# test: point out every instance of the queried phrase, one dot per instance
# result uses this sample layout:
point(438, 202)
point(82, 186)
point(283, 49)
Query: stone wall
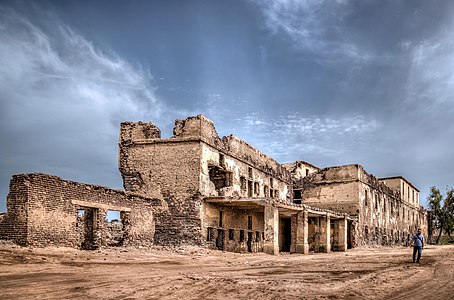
point(46, 210)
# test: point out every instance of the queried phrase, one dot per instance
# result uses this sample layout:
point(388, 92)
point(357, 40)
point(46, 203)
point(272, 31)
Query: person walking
point(418, 245)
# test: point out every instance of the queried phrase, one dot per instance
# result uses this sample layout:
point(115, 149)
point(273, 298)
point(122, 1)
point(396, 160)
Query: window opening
point(231, 234)
point(297, 194)
point(250, 188)
point(220, 177)
point(210, 234)
point(243, 183)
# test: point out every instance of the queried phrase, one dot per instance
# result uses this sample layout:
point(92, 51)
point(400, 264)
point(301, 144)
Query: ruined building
point(222, 193)
point(386, 210)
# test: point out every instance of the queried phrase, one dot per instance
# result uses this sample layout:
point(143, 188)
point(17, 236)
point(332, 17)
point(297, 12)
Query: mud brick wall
point(50, 204)
point(168, 170)
point(14, 224)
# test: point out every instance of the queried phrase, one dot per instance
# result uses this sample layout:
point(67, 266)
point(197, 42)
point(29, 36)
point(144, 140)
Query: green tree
point(442, 210)
point(449, 210)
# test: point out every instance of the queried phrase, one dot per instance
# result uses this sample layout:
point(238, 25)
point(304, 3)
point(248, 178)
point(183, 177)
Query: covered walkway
point(295, 228)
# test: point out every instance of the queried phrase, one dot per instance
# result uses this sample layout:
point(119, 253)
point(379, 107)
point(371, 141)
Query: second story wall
point(227, 176)
point(300, 169)
point(408, 192)
point(334, 188)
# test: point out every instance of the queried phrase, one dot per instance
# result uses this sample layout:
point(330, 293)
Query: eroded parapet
point(196, 127)
point(138, 131)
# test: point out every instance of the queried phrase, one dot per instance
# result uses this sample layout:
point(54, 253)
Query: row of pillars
point(300, 232)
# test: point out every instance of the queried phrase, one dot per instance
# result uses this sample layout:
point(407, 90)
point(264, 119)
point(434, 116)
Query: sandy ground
point(194, 273)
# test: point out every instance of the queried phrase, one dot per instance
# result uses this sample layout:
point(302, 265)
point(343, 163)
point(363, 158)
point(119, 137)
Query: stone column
point(325, 233)
point(342, 234)
point(101, 230)
point(301, 228)
point(294, 231)
point(271, 243)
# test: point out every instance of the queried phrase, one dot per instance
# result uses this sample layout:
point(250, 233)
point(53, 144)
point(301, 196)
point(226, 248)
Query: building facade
point(197, 188)
point(386, 210)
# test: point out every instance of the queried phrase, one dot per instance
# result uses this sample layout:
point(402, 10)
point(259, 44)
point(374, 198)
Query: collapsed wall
point(47, 210)
point(166, 169)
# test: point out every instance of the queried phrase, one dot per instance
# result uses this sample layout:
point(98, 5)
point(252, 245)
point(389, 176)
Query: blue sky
point(328, 82)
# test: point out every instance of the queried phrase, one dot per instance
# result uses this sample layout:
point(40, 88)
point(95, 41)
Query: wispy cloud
point(314, 26)
point(293, 136)
point(63, 67)
point(62, 99)
point(431, 77)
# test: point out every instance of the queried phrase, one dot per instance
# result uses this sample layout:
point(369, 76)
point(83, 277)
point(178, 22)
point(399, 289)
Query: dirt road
point(194, 273)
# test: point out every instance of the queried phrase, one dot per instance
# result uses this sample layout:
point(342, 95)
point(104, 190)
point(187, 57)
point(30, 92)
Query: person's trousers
point(418, 250)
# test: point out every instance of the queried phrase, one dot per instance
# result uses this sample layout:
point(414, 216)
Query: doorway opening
point(285, 234)
point(117, 224)
point(249, 241)
point(220, 240)
point(87, 226)
point(350, 235)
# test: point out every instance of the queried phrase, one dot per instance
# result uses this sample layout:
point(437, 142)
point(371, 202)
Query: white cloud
point(315, 26)
point(62, 99)
point(64, 67)
point(431, 77)
point(293, 136)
